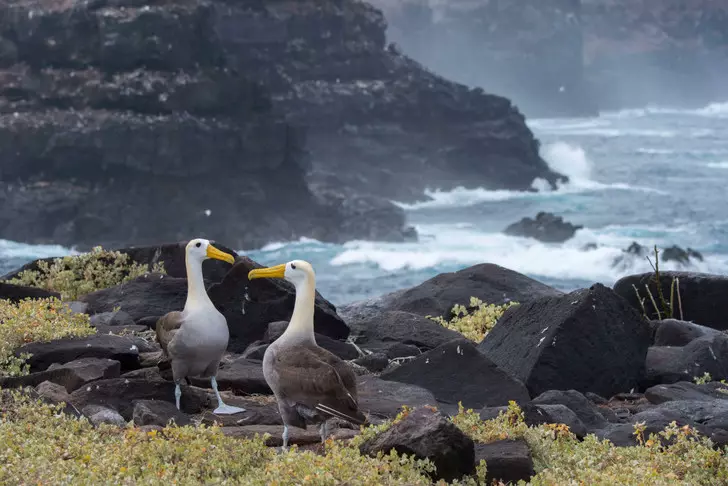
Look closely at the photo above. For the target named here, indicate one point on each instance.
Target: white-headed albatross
(311, 385)
(196, 338)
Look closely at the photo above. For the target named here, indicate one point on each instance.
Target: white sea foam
(719, 110)
(564, 158)
(13, 249)
(717, 165)
(444, 245)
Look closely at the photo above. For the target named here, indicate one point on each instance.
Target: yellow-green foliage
(78, 275)
(38, 445)
(561, 459)
(31, 321)
(477, 324)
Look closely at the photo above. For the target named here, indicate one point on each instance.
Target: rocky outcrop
(293, 117)
(527, 51)
(546, 227)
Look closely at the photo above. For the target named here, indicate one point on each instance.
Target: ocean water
(654, 175)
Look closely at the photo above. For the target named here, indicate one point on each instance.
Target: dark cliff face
(669, 52)
(134, 121)
(528, 51)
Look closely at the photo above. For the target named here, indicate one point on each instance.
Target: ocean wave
(718, 109)
(717, 165)
(570, 160)
(448, 245)
(15, 250)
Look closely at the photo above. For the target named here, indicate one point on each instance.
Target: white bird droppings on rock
(545, 329)
(134, 348)
(540, 341)
(207, 212)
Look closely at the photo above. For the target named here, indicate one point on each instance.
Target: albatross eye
(293, 266)
(198, 244)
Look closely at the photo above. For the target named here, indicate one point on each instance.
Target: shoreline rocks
(546, 227)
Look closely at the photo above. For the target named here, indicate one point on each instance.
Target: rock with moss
(475, 321)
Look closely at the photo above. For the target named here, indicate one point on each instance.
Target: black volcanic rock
(701, 295)
(589, 340)
(546, 227)
(437, 296)
(16, 293)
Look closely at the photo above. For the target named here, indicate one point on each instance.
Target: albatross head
(298, 272)
(200, 250)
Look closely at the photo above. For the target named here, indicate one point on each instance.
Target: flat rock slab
(382, 399)
(122, 349)
(508, 460)
(258, 411)
(120, 394)
(242, 376)
(70, 375)
(295, 435)
(584, 408)
(590, 340)
(458, 372)
(16, 293)
(158, 412)
(686, 391)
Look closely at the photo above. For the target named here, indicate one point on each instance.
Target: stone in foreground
(508, 461)
(428, 434)
(458, 372)
(590, 340)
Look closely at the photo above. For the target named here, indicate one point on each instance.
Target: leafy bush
(39, 445)
(31, 321)
(474, 324)
(78, 275)
(675, 456)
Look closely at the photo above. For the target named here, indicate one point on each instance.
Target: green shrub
(676, 456)
(39, 445)
(474, 324)
(35, 320)
(78, 275)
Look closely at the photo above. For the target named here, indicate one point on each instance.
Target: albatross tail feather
(357, 418)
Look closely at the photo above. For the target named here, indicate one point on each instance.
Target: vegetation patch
(675, 456)
(474, 322)
(33, 320)
(78, 275)
(40, 445)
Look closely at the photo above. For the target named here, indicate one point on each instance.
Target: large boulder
(383, 399)
(589, 340)
(701, 296)
(437, 296)
(670, 364)
(458, 372)
(427, 434)
(391, 329)
(673, 332)
(508, 460)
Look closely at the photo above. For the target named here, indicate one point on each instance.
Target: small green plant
(475, 323)
(665, 309)
(702, 380)
(32, 321)
(78, 275)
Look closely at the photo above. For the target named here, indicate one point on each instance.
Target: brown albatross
(311, 385)
(196, 338)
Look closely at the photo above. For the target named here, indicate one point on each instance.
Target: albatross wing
(307, 376)
(167, 327)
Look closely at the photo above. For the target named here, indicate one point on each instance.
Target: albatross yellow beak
(278, 271)
(213, 252)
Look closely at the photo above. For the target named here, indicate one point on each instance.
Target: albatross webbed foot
(222, 408)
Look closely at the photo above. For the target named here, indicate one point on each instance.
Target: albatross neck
(300, 328)
(196, 295)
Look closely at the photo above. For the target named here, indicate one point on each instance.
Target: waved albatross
(196, 338)
(311, 385)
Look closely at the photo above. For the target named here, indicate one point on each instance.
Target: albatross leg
(177, 394)
(324, 430)
(222, 408)
(284, 436)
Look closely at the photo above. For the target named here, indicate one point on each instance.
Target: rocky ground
(135, 122)
(587, 359)
(571, 57)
